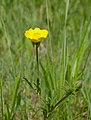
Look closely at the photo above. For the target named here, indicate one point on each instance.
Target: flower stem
(37, 60)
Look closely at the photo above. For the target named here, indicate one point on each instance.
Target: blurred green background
(17, 53)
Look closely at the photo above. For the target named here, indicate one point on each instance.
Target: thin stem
(37, 60)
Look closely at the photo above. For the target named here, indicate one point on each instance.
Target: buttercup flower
(36, 35)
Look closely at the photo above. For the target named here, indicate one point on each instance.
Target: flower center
(36, 36)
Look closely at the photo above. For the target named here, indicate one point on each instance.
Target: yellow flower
(36, 35)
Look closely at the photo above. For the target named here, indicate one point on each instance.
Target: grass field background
(64, 60)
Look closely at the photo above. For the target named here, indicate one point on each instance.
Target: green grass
(64, 60)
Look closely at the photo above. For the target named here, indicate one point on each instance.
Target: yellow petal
(37, 29)
(29, 33)
(44, 33)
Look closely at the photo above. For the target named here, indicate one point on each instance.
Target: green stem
(37, 61)
(38, 81)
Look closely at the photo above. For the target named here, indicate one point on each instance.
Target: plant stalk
(37, 61)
